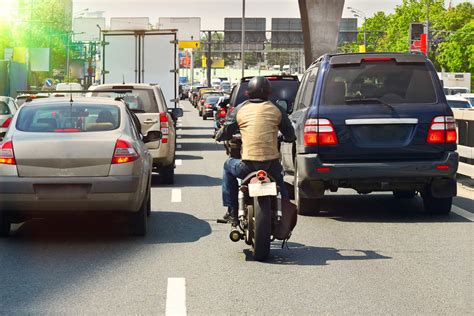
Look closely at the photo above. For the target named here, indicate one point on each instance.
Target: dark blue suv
(372, 122)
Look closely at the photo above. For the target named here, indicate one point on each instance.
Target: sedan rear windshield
(66, 118)
(139, 100)
(385, 82)
(4, 109)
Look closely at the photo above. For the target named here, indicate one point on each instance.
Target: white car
(458, 102)
(8, 108)
(469, 97)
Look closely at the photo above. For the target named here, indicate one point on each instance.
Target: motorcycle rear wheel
(262, 228)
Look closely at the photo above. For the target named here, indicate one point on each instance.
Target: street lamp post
(242, 48)
(360, 14)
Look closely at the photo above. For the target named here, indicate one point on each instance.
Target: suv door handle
(150, 121)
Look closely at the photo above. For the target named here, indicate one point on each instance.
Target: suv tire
(5, 225)
(408, 194)
(304, 206)
(167, 174)
(436, 206)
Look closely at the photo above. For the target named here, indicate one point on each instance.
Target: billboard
(347, 31)
(39, 59)
(255, 33)
(129, 24)
(189, 29)
(86, 30)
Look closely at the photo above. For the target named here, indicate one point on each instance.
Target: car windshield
(379, 82)
(459, 104)
(282, 90)
(64, 118)
(139, 100)
(4, 109)
(212, 100)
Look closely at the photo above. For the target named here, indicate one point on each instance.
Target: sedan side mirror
(176, 112)
(152, 136)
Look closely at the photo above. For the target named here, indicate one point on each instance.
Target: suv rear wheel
(436, 206)
(305, 206)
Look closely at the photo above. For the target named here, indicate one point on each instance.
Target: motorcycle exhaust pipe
(235, 235)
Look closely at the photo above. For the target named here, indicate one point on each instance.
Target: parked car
(8, 108)
(148, 103)
(372, 122)
(209, 106)
(283, 91)
(85, 156)
(458, 102)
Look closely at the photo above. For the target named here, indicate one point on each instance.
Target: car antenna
(123, 79)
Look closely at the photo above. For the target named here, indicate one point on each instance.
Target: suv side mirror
(176, 112)
(152, 136)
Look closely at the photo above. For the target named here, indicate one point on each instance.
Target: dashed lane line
(179, 146)
(463, 213)
(176, 196)
(178, 162)
(176, 297)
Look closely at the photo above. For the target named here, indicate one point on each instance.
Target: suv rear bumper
(372, 176)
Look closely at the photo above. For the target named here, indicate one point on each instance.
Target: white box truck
(145, 56)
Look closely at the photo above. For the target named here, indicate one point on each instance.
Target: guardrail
(465, 125)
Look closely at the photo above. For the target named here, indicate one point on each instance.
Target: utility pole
(242, 48)
(428, 28)
(208, 58)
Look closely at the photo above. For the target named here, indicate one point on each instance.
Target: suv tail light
(124, 152)
(165, 127)
(442, 130)
(7, 122)
(319, 132)
(7, 156)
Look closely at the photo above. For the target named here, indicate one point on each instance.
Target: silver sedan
(82, 156)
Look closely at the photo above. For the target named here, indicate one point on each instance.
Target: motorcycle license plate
(262, 189)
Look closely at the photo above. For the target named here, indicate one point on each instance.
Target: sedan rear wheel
(4, 225)
(138, 219)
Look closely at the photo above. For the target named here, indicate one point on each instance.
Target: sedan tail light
(7, 122)
(319, 132)
(208, 106)
(7, 156)
(165, 127)
(124, 152)
(442, 130)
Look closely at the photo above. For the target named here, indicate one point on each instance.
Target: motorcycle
(262, 216)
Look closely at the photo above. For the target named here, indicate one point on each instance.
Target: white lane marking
(175, 195)
(179, 136)
(463, 213)
(179, 146)
(176, 297)
(178, 162)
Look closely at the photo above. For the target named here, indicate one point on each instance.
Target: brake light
(323, 169)
(261, 175)
(442, 167)
(319, 132)
(124, 152)
(377, 59)
(442, 130)
(7, 122)
(165, 127)
(208, 106)
(7, 156)
(67, 130)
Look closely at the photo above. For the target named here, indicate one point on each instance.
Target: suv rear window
(65, 118)
(386, 82)
(4, 109)
(139, 100)
(282, 90)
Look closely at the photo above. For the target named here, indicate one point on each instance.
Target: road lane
(363, 254)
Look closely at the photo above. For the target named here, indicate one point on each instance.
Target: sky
(212, 12)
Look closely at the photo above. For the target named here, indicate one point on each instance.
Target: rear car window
(65, 118)
(212, 100)
(459, 104)
(387, 82)
(4, 108)
(283, 91)
(139, 100)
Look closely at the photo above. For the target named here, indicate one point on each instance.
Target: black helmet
(259, 88)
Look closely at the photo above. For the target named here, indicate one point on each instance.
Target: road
(363, 255)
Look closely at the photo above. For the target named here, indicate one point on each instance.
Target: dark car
(373, 122)
(209, 106)
(283, 91)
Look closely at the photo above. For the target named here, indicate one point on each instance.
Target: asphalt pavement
(363, 255)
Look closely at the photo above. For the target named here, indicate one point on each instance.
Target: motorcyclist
(259, 121)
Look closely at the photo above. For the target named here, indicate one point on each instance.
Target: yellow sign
(19, 55)
(216, 63)
(362, 49)
(190, 44)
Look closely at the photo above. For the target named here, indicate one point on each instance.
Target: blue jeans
(236, 168)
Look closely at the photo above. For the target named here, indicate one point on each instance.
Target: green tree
(457, 53)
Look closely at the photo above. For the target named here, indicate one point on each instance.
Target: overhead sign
(189, 44)
(189, 29)
(48, 83)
